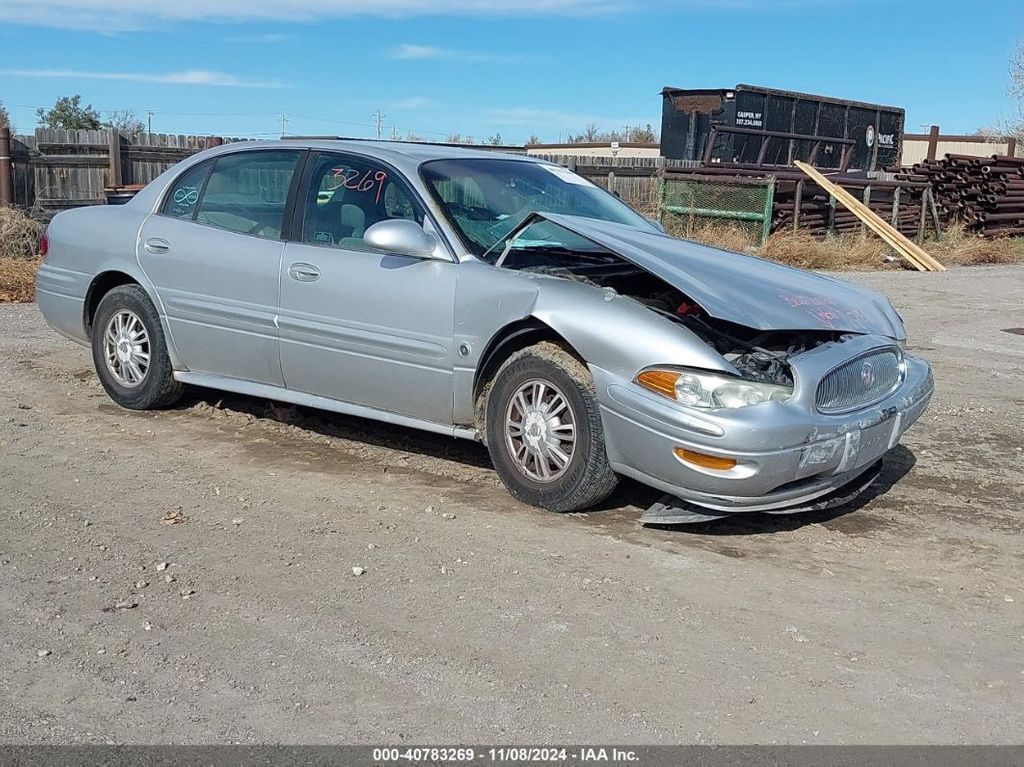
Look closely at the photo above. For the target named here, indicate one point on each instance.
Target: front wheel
(130, 352)
(543, 431)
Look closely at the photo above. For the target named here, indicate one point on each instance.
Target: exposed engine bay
(757, 354)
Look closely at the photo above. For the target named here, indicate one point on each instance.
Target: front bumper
(787, 453)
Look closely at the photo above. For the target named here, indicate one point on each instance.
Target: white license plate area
(875, 441)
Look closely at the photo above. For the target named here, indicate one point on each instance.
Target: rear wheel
(130, 352)
(543, 429)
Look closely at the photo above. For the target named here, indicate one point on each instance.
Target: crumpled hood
(743, 289)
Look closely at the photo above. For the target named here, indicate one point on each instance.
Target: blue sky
(479, 67)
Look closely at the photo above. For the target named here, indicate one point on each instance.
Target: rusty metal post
(214, 141)
(933, 141)
(114, 158)
(924, 215)
(798, 204)
(6, 168)
(1011, 146)
(867, 204)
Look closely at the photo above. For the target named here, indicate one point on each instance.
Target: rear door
(358, 325)
(214, 253)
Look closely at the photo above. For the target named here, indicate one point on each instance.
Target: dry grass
(18, 279)
(849, 252)
(19, 234)
(960, 248)
(19, 259)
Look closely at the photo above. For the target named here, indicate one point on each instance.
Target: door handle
(304, 272)
(157, 245)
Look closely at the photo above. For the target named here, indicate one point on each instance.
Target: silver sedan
(495, 298)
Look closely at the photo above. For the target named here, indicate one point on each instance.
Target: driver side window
(347, 195)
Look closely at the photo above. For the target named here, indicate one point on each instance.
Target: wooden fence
(55, 169)
(58, 169)
(634, 179)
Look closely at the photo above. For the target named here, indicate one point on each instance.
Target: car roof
(402, 152)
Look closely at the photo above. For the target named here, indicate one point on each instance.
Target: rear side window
(247, 192)
(183, 199)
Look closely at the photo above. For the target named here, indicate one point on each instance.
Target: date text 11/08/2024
(503, 754)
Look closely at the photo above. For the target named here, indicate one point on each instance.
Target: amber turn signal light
(705, 461)
(660, 381)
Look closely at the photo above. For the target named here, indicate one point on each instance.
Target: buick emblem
(867, 375)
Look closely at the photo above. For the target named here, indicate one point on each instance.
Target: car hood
(743, 289)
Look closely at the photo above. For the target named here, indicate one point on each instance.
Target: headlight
(709, 390)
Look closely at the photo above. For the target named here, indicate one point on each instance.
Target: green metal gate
(748, 202)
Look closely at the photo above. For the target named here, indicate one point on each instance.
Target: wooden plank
(69, 161)
(914, 254)
(893, 238)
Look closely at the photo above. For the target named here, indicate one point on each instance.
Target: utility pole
(149, 121)
(378, 121)
(394, 133)
(284, 122)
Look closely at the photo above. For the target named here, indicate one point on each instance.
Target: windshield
(485, 199)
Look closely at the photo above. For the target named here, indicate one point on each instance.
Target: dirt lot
(480, 620)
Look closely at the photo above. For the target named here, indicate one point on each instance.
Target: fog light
(705, 461)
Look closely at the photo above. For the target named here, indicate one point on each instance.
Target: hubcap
(126, 349)
(540, 431)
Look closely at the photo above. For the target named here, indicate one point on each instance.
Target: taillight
(44, 245)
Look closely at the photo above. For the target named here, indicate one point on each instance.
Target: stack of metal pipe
(986, 194)
(898, 202)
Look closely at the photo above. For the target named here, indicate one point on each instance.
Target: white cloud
(127, 15)
(189, 77)
(268, 38)
(407, 51)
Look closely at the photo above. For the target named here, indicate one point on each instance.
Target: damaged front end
(821, 359)
(540, 245)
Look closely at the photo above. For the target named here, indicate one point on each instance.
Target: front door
(358, 325)
(214, 252)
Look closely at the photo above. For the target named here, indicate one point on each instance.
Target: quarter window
(183, 199)
(347, 195)
(247, 192)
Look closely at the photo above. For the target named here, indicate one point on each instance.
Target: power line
(378, 120)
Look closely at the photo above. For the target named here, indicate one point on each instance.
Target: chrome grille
(859, 382)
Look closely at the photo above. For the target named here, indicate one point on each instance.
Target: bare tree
(1014, 124)
(533, 140)
(1017, 88)
(124, 121)
(631, 133)
(5, 118)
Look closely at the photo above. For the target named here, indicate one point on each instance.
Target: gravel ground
(191, 575)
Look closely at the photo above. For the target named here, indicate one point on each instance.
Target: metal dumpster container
(750, 124)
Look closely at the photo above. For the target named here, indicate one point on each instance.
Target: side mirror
(658, 225)
(400, 237)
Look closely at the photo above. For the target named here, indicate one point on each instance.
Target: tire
(121, 314)
(520, 433)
